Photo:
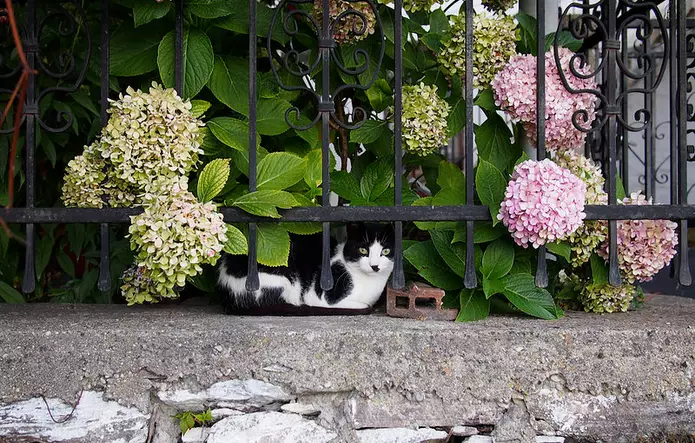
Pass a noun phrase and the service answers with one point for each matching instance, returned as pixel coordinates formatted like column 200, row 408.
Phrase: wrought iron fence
column 603, row 25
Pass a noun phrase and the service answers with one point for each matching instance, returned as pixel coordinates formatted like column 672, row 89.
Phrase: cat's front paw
column 351, row 304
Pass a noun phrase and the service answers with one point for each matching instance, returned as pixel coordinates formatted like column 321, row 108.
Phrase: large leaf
column 10, row 294
column 134, row 52
column 498, row 259
column 473, row 306
column 265, row 203
column 198, row 60
column 313, row 175
column 377, row 178
column 302, row 228
column 494, row 141
column 209, row 8
column 369, row 132
column 229, row 83
column 451, row 177
column 232, row 132
column 212, row 179
column 424, row 257
column 238, row 20
column 273, row 246
column 521, row 290
column 599, row 270
column 490, row 184
column 236, row 242
column 280, row 170
column 453, row 254
column 199, row 107
column 380, row 95
column 270, row 115
column 145, row 12
column 345, row 185
column 241, row 159
column 483, row 232
column 457, row 117
column 527, row 34
column 561, row 249
column 565, row 38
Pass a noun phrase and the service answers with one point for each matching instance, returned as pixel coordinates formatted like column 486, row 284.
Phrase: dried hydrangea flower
column 494, row 44
column 515, row 92
column 174, row 237
column 498, row 6
column 585, row 240
column 414, row 5
column 606, row 298
column 138, row 286
column 84, row 178
column 543, row 203
column 644, row 246
column 424, row 119
column 351, row 27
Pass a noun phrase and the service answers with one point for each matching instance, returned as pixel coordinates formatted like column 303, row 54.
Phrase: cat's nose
column 376, row 268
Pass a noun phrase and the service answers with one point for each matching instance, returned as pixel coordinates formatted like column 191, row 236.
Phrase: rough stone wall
column 343, row 379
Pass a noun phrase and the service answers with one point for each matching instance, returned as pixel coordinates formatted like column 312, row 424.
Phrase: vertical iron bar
column 609, row 8
column 30, row 110
column 542, row 267
column 649, row 154
column 252, row 282
column 398, row 278
column 104, row 249
column 470, row 280
column 684, row 277
column 624, row 151
column 325, row 43
column 178, row 48
column 673, row 121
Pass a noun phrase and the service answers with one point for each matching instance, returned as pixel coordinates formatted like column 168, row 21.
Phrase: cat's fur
column 358, row 279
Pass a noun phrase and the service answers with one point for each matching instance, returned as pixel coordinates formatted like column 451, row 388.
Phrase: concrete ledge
column 611, row 377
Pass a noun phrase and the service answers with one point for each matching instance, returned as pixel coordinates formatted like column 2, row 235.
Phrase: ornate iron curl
column 307, row 65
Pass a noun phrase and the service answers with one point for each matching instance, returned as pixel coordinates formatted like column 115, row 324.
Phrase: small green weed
column 188, row 419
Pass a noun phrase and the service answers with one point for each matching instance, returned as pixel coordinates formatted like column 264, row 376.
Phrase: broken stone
column 301, row 409
column 549, row 439
column 94, row 420
column 401, row 435
column 464, row 431
column 220, row 413
column 268, row 427
column 515, row 426
column 254, row 393
column 195, row 435
column 479, row 439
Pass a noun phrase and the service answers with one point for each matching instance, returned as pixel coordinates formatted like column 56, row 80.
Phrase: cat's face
column 370, row 247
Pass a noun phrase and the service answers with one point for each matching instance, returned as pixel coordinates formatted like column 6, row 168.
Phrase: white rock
column 253, row 392
column 300, row 408
column 464, row 431
column 268, row 427
column 549, row 439
column 220, row 413
column 479, row 439
column 195, row 435
column 400, row 435
column 94, row 420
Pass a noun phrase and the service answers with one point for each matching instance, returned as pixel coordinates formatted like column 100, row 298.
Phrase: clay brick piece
column 418, row 301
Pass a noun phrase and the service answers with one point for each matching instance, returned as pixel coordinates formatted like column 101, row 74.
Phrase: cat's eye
column 363, row 251
column 386, row 251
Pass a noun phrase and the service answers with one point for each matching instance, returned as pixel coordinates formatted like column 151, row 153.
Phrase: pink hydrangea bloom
column 644, row 246
column 515, row 92
column 543, row 203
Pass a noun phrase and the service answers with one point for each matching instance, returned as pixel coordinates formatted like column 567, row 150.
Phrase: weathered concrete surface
column 585, row 376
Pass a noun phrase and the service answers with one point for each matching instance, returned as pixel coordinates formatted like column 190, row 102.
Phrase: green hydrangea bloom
column 84, row 178
column 606, row 298
column 494, row 44
column 424, row 119
column 414, row 5
column 173, row 238
column 498, row 6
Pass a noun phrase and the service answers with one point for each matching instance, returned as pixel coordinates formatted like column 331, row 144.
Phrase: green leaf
column 380, row 95
column 425, row 258
column 238, row 20
column 473, row 306
column 619, row 188
column 280, row 170
column 565, row 39
column 232, row 132
column 599, row 270
column 486, row 100
column 273, row 244
column 451, row 177
column 439, row 22
column 198, row 60
column 526, row 44
column 313, row 175
column 453, row 254
column 263, row 203
column 146, row 11
column 236, row 242
column 270, row 119
column 561, row 249
column 494, row 141
column 44, row 247
column 134, row 52
column 212, row 179
column 345, row 185
column 457, row 117
column 81, row 96
column 198, row 107
column 522, row 158
column 483, row 232
column 241, row 159
column 10, row 294
column 209, row 8
column 492, row 287
column 302, row 228
column 229, row 83
column 369, row 132
column 490, row 184
column 521, row 290
column 377, row 178
column 66, row 264
column 498, row 259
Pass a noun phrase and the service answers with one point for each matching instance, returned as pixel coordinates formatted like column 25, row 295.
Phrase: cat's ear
column 354, row 230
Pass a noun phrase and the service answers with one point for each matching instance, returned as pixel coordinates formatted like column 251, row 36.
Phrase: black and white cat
column 361, row 267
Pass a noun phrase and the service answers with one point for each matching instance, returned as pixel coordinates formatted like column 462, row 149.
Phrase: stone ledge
column 589, row 376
